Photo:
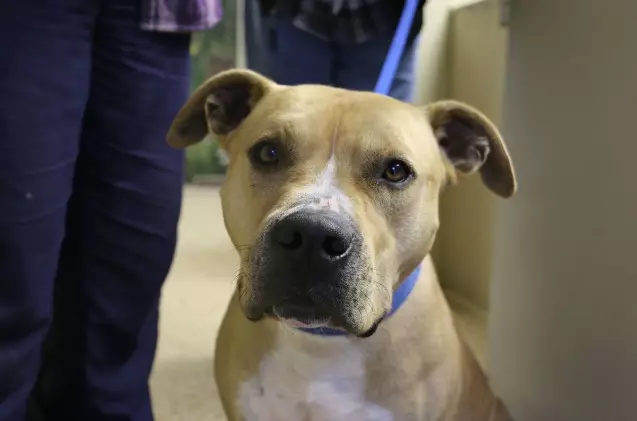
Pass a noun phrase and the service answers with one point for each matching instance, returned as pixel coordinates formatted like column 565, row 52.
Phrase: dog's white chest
column 296, row 385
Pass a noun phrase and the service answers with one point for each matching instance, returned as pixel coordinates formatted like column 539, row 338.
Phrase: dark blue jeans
column 288, row 55
column 90, row 196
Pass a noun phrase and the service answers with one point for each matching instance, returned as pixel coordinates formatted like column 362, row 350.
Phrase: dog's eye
column 396, row 171
column 265, row 154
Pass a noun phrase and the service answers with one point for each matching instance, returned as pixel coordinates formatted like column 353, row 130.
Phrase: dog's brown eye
column 396, row 172
column 265, row 154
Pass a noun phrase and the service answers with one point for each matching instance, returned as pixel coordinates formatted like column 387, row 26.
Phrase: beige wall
column 476, row 71
column 433, row 63
column 564, row 313
column 463, row 56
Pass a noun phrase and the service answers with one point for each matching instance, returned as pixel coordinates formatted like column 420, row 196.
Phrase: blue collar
column 399, row 297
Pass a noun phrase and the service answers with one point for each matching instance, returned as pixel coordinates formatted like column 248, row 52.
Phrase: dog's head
column 331, row 196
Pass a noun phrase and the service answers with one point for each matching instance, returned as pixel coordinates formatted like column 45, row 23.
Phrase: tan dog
column 331, row 200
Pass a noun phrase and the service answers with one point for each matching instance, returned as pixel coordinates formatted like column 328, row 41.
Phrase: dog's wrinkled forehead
column 337, row 137
column 323, row 128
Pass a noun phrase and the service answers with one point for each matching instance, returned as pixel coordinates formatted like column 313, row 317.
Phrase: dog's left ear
column 471, row 142
column 218, row 106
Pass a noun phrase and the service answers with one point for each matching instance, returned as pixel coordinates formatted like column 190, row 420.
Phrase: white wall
column 564, row 311
column 433, row 54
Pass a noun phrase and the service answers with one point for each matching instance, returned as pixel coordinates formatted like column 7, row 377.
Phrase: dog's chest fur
column 294, row 383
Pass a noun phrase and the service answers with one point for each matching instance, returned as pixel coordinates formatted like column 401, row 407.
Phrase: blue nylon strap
column 395, row 53
column 399, row 297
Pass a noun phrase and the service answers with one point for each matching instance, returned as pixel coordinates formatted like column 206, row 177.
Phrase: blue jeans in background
column 90, row 197
column 290, row 56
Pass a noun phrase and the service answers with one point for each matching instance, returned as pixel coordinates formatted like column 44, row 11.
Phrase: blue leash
column 395, row 53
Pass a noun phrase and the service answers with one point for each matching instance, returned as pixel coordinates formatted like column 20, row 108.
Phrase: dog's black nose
column 320, row 236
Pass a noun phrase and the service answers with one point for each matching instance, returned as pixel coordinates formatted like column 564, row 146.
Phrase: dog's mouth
column 303, row 313
column 300, row 312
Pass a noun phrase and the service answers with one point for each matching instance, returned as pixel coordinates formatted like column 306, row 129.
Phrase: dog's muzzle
column 307, row 257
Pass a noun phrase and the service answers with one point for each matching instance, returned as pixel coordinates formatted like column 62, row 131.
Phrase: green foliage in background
column 211, row 52
column 202, row 159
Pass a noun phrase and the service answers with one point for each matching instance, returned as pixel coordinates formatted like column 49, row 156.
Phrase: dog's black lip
column 255, row 317
column 301, row 308
column 271, row 313
column 371, row 331
column 254, row 313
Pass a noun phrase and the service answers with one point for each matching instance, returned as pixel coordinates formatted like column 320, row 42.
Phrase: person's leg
column 258, row 37
column 122, row 223
column 284, row 53
column 358, row 66
column 44, row 85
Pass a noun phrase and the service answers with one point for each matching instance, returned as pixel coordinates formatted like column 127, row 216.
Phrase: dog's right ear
column 218, row 106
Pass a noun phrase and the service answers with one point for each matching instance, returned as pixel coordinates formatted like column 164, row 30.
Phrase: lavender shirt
column 180, row 15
